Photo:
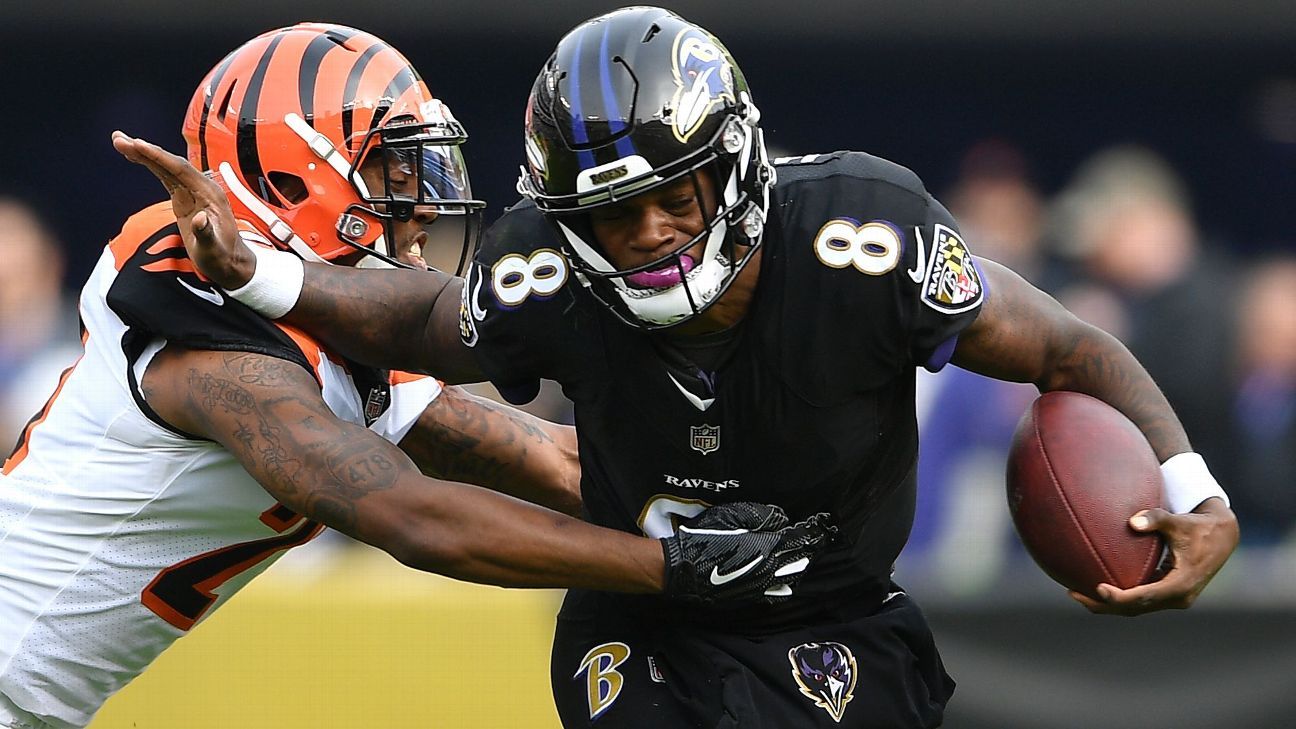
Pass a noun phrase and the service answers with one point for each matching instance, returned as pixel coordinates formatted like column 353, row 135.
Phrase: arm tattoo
column 216, row 392
column 282, row 436
column 476, row 441
column 340, row 306
column 257, row 370
column 1100, row 366
column 358, row 468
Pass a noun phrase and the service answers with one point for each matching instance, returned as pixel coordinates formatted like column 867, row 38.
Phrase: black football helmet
column 630, row 101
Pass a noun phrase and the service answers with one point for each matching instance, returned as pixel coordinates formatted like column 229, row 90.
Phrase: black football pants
column 879, row 671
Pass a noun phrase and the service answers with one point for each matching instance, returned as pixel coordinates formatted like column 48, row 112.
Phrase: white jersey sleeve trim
column 409, row 400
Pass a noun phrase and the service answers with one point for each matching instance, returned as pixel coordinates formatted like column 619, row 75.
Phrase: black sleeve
column 950, row 294
column 511, row 291
column 874, row 266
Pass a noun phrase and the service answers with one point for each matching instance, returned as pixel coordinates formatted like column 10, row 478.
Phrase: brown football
column 1078, row 469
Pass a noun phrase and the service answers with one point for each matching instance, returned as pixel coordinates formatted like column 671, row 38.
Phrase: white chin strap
column 668, row 305
column 279, row 230
column 324, row 149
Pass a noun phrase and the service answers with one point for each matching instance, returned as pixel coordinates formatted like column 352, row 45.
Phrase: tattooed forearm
column 244, row 436
column 340, row 308
column 283, row 433
column 358, row 468
column 276, row 457
column 470, row 439
column 475, row 440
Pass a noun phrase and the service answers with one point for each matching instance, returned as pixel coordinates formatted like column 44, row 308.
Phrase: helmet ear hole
column 289, row 186
column 223, row 108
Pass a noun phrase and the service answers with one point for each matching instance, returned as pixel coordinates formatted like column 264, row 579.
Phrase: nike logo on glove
column 211, row 296
column 719, row 579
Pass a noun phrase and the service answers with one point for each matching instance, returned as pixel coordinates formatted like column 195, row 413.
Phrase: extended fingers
column 171, row 169
column 143, row 153
column 815, row 531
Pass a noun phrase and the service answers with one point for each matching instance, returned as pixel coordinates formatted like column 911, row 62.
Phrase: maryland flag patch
column 953, row 281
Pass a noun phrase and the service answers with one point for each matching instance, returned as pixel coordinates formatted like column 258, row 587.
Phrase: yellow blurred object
column 364, row 642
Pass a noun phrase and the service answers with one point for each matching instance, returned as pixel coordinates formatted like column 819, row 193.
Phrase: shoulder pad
column 859, row 165
column 521, row 229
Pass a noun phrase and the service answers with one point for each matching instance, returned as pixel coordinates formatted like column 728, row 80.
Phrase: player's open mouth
column 665, row 276
column 413, row 252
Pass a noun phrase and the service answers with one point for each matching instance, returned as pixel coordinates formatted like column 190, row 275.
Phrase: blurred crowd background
column 1135, row 160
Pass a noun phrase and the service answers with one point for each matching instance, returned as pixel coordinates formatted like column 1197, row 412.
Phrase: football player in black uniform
column 731, row 328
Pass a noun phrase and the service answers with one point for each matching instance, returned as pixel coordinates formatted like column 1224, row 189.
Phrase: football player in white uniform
column 195, row 441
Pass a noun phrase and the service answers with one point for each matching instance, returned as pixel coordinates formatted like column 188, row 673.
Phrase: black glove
column 742, row 552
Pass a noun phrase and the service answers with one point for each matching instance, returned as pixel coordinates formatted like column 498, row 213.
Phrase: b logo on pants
column 602, row 681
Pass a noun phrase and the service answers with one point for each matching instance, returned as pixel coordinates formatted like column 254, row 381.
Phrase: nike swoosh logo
column 477, row 311
column 719, row 579
column 916, row 274
column 211, row 296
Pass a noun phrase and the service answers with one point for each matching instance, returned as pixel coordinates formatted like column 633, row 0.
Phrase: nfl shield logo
column 375, row 405
column 704, row 438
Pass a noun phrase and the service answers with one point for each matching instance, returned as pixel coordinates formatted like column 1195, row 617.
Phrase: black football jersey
column 863, row 278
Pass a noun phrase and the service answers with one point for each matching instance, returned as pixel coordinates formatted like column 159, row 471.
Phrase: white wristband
column 275, row 285
column 1188, row 482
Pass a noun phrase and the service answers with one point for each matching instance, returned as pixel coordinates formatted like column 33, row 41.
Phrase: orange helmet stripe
column 312, row 59
column 353, row 87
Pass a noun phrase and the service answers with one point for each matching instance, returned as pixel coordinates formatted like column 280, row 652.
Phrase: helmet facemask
column 733, row 225
column 424, row 177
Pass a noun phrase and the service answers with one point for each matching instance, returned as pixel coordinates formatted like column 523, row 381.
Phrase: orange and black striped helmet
column 285, row 122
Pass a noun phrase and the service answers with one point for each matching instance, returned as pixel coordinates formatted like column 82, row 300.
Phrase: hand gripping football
column 1078, row 469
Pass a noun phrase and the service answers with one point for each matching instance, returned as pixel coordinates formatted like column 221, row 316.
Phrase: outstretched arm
column 394, row 319
column 406, row 320
column 269, row 414
column 1023, row 335
column 462, row 437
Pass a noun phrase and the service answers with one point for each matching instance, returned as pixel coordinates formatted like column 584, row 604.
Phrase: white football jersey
column 118, row 533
